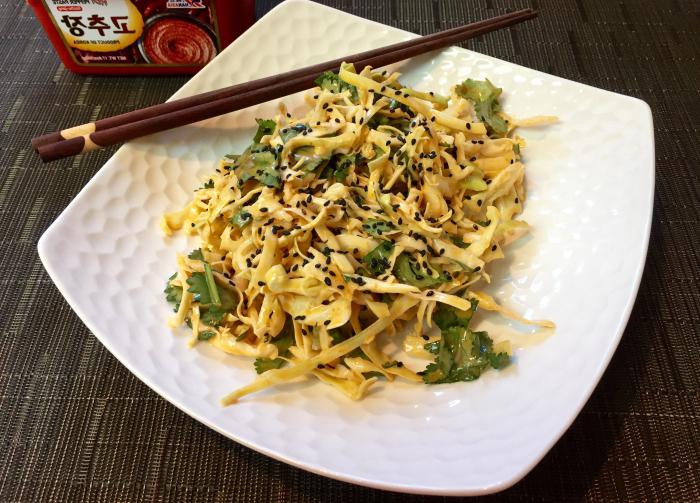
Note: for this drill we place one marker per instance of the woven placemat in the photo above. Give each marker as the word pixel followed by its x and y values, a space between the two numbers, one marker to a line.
pixel 75 425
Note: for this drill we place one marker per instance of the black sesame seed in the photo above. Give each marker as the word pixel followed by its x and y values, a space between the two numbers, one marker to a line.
pixel 477 269
pixel 493 248
pixel 429 293
pixel 261 283
pixel 425 337
pixel 263 210
pixel 469 125
pixel 327 322
pixel 517 200
pixel 341 287
pixel 479 202
pixel 326 302
pixel 327 281
pixel 337 120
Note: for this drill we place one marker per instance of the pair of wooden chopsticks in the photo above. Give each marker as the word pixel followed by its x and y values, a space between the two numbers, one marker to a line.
pixel 153 119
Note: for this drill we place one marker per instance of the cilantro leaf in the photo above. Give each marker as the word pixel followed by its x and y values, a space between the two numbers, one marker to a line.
pixel 198 287
pixel 208 185
pixel 241 219
pixel 173 294
pixel 210 313
pixel 213 315
pixel 459 242
pixel 332 82
pixel 205 336
pixel 432 347
pixel 409 271
pixel 290 132
pixel 462 354
pixel 484 95
pixel 265 127
pixel 196 254
pixel 310 160
pixel 499 360
pixel 264 364
pixel 377 260
pixel 283 341
pixel 377 227
pixel 378 120
pixel 447 316
pixel 339 167
pixel 260 165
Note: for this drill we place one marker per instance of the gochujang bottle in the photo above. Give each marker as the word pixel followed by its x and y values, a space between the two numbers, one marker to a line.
pixel 141 36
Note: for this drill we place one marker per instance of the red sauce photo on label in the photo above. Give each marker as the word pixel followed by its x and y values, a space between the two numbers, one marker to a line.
pixel 177 41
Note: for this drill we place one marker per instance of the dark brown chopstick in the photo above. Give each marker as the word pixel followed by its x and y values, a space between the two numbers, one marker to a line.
pixel 184 111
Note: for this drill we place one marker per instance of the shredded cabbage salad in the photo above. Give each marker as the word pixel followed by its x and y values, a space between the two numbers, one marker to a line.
pixel 376 212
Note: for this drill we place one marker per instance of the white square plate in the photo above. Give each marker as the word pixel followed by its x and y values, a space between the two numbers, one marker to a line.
pixel 590 183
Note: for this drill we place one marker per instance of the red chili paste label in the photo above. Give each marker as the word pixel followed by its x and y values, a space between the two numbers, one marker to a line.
pixel 137 32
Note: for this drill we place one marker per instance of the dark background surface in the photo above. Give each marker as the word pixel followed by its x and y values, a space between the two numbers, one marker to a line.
pixel 76 425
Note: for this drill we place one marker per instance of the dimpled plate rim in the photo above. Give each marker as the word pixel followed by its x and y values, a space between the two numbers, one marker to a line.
pixel 395 439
